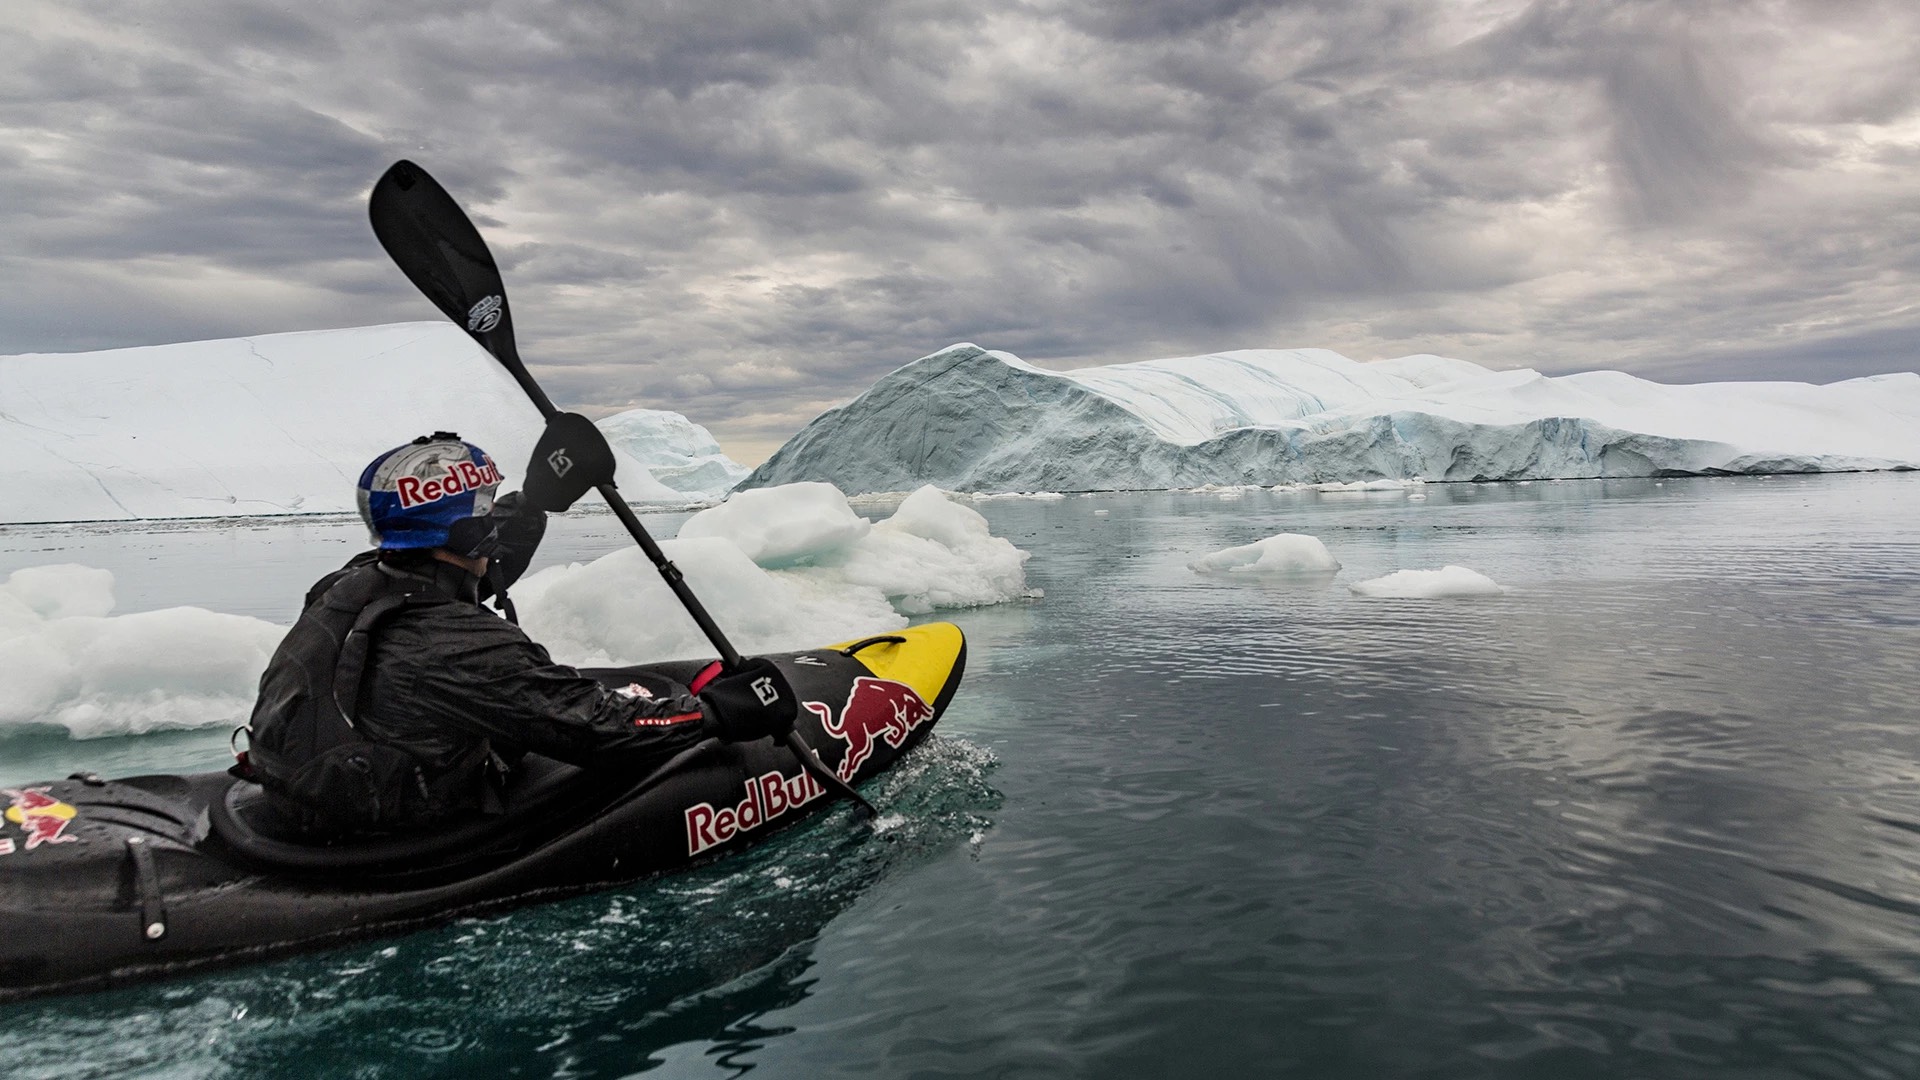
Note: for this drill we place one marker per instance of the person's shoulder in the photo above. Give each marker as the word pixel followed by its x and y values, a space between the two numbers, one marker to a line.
pixel 352 566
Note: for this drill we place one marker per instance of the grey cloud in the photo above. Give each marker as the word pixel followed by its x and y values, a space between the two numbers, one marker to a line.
pixel 750 212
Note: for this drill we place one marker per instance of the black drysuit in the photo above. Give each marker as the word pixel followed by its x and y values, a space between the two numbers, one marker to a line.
pixel 463 691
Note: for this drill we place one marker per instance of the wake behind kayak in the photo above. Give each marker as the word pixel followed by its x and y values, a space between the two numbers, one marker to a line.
pixel 107 882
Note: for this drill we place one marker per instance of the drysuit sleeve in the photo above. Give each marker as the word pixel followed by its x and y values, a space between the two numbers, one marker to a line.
pixel 480 673
pixel 522 527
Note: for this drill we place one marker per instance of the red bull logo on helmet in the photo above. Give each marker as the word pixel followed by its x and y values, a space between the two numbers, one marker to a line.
pixel 875 709
pixel 43 817
pixel 459 476
pixel 768 796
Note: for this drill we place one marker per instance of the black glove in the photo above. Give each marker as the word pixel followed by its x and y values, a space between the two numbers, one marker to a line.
pixel 516 527
pixel 753 701
pixel 571 459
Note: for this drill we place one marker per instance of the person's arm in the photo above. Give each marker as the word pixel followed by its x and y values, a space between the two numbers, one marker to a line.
pixel 479 673
pixel 522 527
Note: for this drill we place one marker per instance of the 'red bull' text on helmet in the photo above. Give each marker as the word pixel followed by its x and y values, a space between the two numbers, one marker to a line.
pixel 435 491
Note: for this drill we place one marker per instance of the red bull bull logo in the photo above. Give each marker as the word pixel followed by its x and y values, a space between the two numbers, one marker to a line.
pixel 768 796
pixel 875 708
pixel 460 476
pixel 42 816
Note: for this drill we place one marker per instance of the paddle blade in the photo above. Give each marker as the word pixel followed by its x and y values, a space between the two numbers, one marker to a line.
pixel 571 458
pixel 434 243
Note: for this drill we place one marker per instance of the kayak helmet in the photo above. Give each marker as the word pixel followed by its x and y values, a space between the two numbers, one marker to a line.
pixel 436 491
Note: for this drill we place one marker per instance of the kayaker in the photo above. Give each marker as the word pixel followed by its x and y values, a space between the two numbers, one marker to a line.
pixel 397 700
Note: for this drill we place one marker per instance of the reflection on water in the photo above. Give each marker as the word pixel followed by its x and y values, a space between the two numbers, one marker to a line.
pixel 1653 813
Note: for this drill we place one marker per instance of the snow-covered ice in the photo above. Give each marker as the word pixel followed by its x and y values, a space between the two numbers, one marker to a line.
pixel 72 664
pixel 678 452
pixel 1284 554
pixel 1448 581
pixel 276 424
pixel 968 419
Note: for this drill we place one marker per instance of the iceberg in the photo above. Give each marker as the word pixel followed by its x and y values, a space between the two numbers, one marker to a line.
pixel 971 419
pixel 676 451
pixel 276 424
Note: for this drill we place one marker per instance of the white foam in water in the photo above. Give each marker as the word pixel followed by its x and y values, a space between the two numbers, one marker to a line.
pixel 70 663
pixel 1286 553
pixel 1448 581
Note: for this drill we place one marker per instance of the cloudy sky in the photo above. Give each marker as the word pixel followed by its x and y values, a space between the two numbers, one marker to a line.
pixel 748 212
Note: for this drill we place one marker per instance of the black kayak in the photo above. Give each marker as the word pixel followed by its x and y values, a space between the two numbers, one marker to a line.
pixel 104 882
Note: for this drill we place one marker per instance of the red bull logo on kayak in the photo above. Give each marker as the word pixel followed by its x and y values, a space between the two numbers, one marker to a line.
pixel 43 817
pixel 768 796
pixel 459 476
pixel 876 709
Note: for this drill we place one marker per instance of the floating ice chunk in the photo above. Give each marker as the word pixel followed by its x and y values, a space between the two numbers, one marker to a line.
pixel 781 526
pixel 1286 553
pixel 70 664
pixel 1225 491
pixel 617 610
pixel 930 554
pixel 1429 584
pixel 1363 486
pixel 61 591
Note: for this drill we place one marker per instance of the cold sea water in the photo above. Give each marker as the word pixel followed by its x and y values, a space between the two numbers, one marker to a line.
pixel 1654 812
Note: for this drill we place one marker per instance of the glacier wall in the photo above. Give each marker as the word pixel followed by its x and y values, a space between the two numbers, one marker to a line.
pixel 276 424
pixel 969 419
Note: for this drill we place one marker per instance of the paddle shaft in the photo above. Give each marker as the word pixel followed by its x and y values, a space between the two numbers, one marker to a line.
pixel 435 244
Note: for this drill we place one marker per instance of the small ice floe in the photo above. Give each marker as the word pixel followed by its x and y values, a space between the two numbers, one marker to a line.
pixel 71 664
pixel 1224 491
pixel 1286 553
pixel 1360 486
pixel 1448 581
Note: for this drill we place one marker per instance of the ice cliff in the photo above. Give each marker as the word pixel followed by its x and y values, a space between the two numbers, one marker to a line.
pixel 968 419
pixel 277 424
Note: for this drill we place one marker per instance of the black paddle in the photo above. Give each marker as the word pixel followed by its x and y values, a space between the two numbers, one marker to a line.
pixel 434 243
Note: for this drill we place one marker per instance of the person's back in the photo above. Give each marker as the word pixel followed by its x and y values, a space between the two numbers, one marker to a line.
pixel 398 700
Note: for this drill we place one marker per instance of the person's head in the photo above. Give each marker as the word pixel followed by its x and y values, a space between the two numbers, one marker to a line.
pixel 432 496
